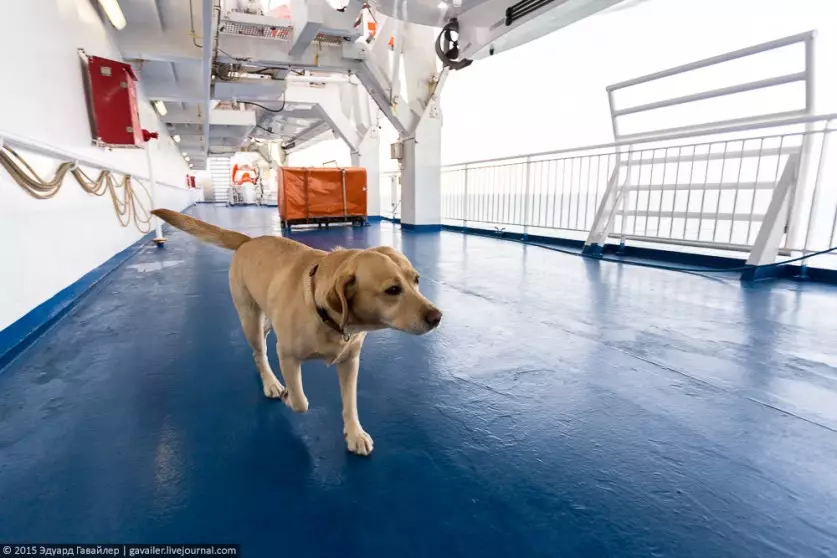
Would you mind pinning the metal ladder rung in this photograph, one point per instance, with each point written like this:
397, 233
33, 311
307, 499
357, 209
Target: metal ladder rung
700, 187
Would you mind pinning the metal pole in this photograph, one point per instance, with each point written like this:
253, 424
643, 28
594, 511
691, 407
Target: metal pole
800, 186
815, 196
465, 202
343, 176
394, 199
526, 201
159, 239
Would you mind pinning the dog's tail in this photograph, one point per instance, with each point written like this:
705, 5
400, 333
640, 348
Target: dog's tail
224, 238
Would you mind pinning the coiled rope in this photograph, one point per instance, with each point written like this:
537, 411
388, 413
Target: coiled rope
126, 204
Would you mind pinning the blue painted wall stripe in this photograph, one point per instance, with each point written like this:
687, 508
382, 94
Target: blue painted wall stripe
22, 333
28, 328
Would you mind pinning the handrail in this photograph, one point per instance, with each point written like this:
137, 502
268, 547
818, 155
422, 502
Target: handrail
27, 144
713, 93
714, 60
807, 76
685, 135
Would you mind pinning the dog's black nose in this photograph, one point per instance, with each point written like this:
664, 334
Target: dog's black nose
433, 317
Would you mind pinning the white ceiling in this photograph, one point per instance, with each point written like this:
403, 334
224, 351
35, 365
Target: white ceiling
159, 41
209, 74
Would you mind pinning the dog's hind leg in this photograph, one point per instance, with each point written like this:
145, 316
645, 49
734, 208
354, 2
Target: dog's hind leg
253, 322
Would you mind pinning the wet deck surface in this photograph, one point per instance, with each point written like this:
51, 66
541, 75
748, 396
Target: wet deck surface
565, 408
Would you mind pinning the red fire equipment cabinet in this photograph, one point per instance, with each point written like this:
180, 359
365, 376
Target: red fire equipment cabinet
112, 96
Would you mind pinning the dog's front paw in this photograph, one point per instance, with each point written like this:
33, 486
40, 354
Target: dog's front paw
297, 403
273, 389
358, 441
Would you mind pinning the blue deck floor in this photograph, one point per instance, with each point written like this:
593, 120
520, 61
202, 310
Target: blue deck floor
564, 408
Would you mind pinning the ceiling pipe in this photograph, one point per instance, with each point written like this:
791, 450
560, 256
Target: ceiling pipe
206, 13
319, 79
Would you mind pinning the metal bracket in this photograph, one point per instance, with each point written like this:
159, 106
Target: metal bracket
604, 215
766, 246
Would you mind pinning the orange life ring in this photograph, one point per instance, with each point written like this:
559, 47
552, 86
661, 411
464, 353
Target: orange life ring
248, 174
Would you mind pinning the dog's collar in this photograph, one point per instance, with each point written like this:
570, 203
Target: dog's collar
322, 312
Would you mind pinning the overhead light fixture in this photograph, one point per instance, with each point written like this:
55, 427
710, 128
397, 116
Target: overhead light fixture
443, 6
176, 138
114, 13
161, 107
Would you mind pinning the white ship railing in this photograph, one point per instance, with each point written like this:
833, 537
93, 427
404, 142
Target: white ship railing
706, 189
755, 180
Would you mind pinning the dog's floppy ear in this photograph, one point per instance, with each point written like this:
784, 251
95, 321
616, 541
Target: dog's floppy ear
341, 290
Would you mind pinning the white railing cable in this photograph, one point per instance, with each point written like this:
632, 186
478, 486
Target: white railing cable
127, 205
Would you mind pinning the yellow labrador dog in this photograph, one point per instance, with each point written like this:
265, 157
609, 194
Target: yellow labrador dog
320, 304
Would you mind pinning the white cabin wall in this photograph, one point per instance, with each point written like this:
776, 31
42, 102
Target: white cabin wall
49, 244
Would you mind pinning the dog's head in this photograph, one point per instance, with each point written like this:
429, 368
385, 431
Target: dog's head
377, 288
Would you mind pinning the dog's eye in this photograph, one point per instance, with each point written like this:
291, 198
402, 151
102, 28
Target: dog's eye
394, 290
417, 279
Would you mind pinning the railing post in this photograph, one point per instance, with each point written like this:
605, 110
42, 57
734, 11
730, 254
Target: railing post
800, 186
394, 198
465, 202
815, 195
159, 239
526, 201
